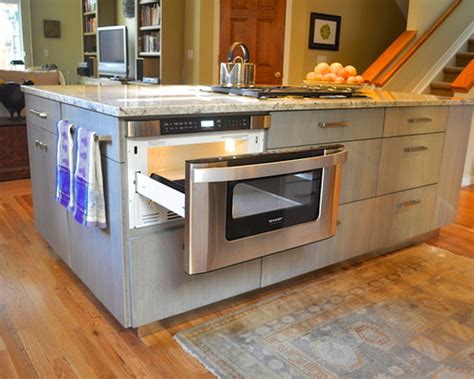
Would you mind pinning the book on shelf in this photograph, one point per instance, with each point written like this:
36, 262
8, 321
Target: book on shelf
90, 25
89, 5
150, 42
150, 15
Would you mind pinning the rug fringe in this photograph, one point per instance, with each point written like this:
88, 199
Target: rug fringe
187, 349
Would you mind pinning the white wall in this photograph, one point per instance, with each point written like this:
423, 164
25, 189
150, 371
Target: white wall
422, 13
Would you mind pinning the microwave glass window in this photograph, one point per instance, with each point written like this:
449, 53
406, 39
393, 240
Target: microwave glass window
259, 205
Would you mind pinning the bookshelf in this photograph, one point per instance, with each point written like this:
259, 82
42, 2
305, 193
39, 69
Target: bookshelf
95, 13
159, 42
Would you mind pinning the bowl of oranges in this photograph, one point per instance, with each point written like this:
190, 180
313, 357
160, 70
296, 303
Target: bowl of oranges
334, 75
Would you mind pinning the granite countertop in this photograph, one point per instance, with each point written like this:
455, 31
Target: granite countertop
131, 101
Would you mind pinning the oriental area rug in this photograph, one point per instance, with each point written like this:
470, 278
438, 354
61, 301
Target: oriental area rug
409, 314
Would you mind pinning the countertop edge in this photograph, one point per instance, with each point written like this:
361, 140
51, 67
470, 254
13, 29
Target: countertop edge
269, 105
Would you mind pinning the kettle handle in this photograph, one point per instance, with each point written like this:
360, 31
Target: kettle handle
245, 50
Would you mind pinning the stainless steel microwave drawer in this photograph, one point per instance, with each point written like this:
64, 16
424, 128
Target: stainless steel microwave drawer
315, 127
414, 120
409, 162
42, 112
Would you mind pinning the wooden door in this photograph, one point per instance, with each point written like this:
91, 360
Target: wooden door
260, 24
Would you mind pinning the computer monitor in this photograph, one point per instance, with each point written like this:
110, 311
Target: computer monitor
113, 52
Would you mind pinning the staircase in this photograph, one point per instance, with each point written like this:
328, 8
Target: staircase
443, 88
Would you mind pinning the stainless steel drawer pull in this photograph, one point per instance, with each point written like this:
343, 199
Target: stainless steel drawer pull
409, 203
414, 149
41, 145
417, 120
337, 124
39, 114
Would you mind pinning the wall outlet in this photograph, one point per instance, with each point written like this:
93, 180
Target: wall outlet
46, 52
190, 54
321, 58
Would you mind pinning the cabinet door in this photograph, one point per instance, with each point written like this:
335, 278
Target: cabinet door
97, 254
160, 288
39, 181
359, 172
353, 237
57, 219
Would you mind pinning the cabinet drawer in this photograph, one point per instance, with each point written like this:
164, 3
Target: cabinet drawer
42, 112
414, 120
409, 162
359, 172
404, 215
316, 127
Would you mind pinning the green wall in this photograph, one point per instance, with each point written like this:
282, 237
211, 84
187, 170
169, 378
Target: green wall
65, 52
368, 27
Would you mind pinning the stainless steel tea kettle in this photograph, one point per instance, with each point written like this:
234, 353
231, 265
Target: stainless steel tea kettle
237, 71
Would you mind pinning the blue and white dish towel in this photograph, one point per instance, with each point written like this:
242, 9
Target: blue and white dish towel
65, 165
79, 183
89, 206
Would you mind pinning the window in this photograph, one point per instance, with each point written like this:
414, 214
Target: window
11, 43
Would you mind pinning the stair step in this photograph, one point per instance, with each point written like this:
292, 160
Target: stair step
441, 89
470, 44
451, 73
462, 59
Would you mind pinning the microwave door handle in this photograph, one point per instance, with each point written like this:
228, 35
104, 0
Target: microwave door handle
261, 170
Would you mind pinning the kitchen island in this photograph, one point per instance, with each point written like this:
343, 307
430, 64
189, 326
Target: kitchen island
400, 184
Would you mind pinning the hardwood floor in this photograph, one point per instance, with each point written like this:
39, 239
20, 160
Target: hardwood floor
459, 237
52, 326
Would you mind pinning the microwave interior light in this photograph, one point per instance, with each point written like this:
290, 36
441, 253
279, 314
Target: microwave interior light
229, 145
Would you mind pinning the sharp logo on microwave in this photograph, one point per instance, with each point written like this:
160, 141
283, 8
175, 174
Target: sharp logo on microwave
276, 220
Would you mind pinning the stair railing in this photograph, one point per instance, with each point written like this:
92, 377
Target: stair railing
465, 80
379, 74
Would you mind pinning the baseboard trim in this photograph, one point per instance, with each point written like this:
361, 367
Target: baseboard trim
467, 181
443, 60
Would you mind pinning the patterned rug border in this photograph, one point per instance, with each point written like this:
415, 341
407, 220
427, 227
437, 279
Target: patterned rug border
187, 345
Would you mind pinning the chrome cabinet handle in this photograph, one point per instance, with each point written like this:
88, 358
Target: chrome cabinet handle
337, 124
414, 149
409, 203
41, 145
38, 113
417, 120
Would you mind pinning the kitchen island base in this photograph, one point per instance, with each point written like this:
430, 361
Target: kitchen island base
399, 186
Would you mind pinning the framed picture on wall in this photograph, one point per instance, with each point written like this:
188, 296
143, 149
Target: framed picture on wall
324, 31
52, 28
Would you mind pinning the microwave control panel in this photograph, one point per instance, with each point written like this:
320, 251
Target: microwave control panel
204, 124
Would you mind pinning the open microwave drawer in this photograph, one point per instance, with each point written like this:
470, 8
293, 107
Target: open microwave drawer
242, 207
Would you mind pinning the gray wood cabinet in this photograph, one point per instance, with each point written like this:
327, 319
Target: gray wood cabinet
354, 237
359, 173
414, 120
403, 215
160, 288
97, 255
50, 217
409, 162
317, 127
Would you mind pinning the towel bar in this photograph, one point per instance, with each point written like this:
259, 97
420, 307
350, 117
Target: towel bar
104, 138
